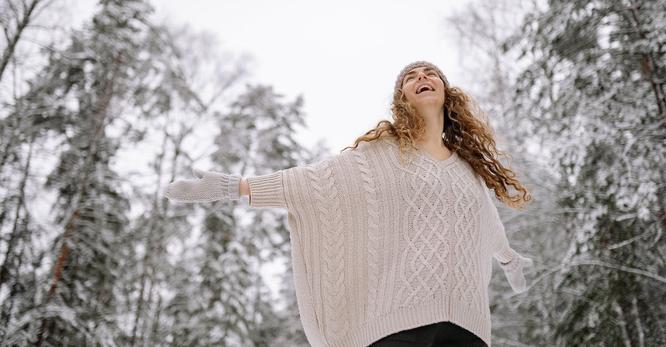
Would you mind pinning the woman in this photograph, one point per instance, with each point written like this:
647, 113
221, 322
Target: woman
388, 251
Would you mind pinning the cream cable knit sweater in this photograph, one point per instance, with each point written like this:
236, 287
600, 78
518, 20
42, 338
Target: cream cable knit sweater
378, 248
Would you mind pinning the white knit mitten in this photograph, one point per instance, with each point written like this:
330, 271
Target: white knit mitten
513, 271
209, 186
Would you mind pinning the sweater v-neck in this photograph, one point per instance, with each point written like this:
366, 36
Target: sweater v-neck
442, 162
425, 155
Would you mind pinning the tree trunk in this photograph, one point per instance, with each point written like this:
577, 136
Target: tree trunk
648, 66
4, 269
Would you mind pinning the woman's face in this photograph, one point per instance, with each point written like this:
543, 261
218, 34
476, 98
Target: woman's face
423, 88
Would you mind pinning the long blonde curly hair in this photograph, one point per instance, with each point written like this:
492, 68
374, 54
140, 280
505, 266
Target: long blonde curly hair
464, 132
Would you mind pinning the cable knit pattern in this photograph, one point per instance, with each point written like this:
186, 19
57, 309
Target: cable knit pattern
426, 241
379, 247
328, 205
368, 182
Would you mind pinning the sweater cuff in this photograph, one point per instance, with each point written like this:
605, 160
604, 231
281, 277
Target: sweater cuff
232, 182
266, 190
504, 255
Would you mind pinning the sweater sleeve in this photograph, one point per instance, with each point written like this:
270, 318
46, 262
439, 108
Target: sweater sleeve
267, 190
490, 220
295, 187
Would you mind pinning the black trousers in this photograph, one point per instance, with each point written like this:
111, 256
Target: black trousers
441, 334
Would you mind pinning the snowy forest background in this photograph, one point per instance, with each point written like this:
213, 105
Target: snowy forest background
91, 254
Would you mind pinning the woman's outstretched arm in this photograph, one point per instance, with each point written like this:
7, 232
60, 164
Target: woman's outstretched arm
263, 190
287, 188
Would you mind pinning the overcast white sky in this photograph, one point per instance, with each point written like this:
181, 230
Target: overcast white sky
343, 55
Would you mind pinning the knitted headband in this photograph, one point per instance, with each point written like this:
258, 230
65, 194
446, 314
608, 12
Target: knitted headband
420, 63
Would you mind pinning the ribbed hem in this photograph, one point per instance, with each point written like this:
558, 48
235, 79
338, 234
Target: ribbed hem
233, 186
423, 314
505, 255
267, 190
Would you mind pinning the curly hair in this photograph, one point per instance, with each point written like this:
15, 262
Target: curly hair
464, 132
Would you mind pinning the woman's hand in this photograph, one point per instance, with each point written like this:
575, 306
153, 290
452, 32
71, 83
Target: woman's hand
513, 270
209, 186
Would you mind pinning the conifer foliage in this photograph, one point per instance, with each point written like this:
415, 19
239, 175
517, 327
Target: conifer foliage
92, 253
593, 93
